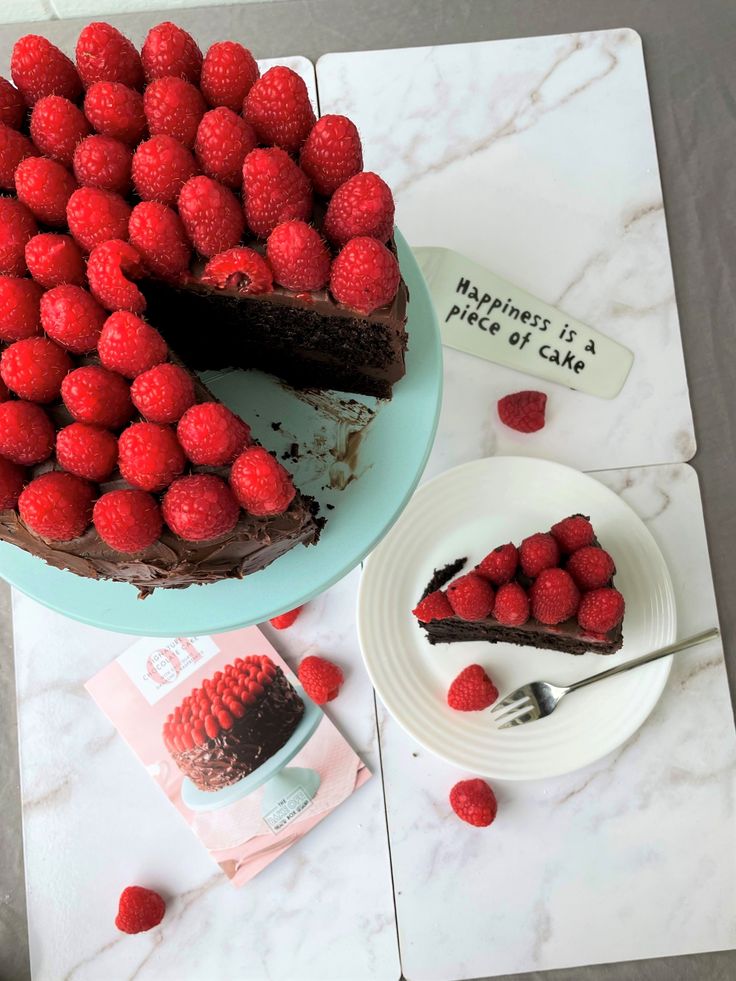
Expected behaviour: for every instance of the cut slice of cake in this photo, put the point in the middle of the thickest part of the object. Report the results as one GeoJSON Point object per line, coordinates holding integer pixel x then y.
{"type": "Point", "coordinates": [556, 591]}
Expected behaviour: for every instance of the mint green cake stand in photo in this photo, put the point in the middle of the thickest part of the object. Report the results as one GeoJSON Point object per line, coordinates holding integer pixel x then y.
{"type": "Point", "coordinates": [360, 458]}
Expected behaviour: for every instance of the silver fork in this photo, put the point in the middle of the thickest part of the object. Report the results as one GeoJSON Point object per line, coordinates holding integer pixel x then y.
{"type": "Point", "coordinates": [539, 699]}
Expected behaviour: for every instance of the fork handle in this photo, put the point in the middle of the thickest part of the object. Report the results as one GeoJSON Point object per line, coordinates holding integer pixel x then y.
{"type": "Point", "coordinates": [679, 645]}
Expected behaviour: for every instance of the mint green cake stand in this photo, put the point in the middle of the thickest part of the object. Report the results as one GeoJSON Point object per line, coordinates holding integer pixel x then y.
{"type": "Point", "coordinates": [380, 467]}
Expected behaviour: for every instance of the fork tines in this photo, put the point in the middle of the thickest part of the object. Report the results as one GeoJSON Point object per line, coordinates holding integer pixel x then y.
{"type": "Point", "coordinates": [515, 710]}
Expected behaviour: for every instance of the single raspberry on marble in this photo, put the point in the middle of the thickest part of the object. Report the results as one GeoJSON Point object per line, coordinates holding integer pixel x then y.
{"type": "Point", "coordinates": [365, 275]}
{"type": "Point", "coordinates": [537, 552]}
{"type": "Point", "coordinates": [54, 259]}
{"type": "Point", "coordinates": [26, 433]}
{"type": "Point", "coordinates": [128, 520]}
{"type": "Point", "coordinates": [103, 54]}
{"type": "Point", "coordinates": [223, 141]}
{"type": "Point", "coordinates": [471, 596]}
{"type": "Point", "coordinates": [163, 393]}
{"type": "Point", "coordinates": [139, 910]}
{"type": "Point", "coordinates": [262, 486]}
{"type": "Point", "coordinates": [241, 269]}
{"type": "Point", "coordinates": [472, 690]}
{"type": "Point", "coordinates": [45, 186]}
{"type": "Point", "coordinates": [111, 267]}
{"type": "Point", "coordinates": [511, 606]}
{"type": "Point", "coordinates": [115, 110]}
{"type": "Point", "coordinates": [57, 126]}
{"type": "Point", "coordinates": [129, 345]}
{"type": "Point", "coordinates": [332, 154]}
{"type": "Point", "coordinates": [362, 206]}
{"type": "Point", "coordinates": [174, 108]}
{"type": "Point", "coordinates": [87, 451]}
{"type": "Point", "coordinates": [499, 565]}
{"type": "Point", "coordinates": [17, 227]}
{"type": "Point", "coordinates": [286, 620]}
{"type": "Point", "coordinates": [161, 167]}
{"type": "Point", "coordinates": [573, 533]}
{"type": "Point", "coordinates": [104, 162]}
{"type": "Point", "coordinates": [212, 435]}
{"type": "Point", "coordinates": [275, 189]}
{"type": "Point", "coordinates": [14, 147]}
{"type": "Point", "coordinates": [298, 256]}
{"type": "Point", "coordinates": [157, 232]}
{"type": "Point", "coordinates": [200, 508]}
{"type": "Point", "coordinates": [149, 456]}
{"type": "Point", "coordinates": [474, 802]}
{"type": "Point", "coordinates": [320, 678]}
{"type": "Point", "coordinates": [20, 301]}
{"type": "Point", "coordinates": [278, 108]}
{"type": "Point", "coordinates": [591, 567]}
{"type": "Point", "coordinates": [170, 50]}
{"type": "Point", "coordinates": [57, 506]}
{"type": "Point", "coordinates": [39, 68]}
{"type": "Point", "coordinates": [435, 606]}
{"type": "Point", "coordinates": [554, 596]}
{"type": "Point", "coordinates": [96, 216]}
{"type": "Point", "coordinates": [600, 610]}
{"type": "Point", "coordinates": [97, 396]}
{"type": "Point", "coordinates": [12, 479]}
{"type": "Point", "coordinates": [12, 105]}
{"type": "Point", "coordinates": [33, 368]}
{"type": "Point", "coordinates": [228, 73]}
{"type": "Point", "coordinates": [523, 411]}
{"type": "Point", "coordinates": [72, 317]}
{"type": "Point", "coordinates": [212, 215]}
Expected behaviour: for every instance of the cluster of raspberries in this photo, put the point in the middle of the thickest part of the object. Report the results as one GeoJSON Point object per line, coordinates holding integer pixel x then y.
{"type": "Point", "coordinates": [553, 576]}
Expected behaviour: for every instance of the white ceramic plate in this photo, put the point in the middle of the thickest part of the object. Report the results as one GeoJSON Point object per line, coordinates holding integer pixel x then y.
{"type": "Point", "coordinates": [466, 512]}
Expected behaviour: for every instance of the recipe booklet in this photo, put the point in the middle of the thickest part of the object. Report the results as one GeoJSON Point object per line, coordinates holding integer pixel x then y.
{"type": "Point", "coordinates": [225, 729]}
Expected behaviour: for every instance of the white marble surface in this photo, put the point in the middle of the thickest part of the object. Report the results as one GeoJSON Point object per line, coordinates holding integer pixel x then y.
{"type": "Point", "coordinates": [536, 158]}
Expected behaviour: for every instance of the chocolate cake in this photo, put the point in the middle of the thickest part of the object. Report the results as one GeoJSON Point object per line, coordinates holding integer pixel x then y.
{"type": "Point", "coordinates": [250, 712]}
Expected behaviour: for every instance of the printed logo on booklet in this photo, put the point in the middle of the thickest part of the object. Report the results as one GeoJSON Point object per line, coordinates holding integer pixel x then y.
{"type": "Point", "coordinates": [155, 666]}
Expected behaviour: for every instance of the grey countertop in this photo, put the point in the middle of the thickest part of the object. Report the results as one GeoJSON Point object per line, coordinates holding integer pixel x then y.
{"type": "Point", "coordinates": [690, 51]}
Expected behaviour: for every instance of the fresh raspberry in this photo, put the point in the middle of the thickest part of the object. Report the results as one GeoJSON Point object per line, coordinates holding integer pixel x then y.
{"type": "Point", "coordinates": [110, 268]}
{"type": "Point", "coordinates": [554, 596]}
{"type": "Point", "coordinates": [12, 105]}
{"type": "Point", "coordinates": [17, 227]}
{"type": "Point", "coordinates": [26, 433]}
{"type": "Point", "coordinates": [139, 910]}
{"type": "Point", "coordinates": [285, 620]}
{"type": "Point", "coordinates": [54, 259]}
{"type": "Point", "coordinates": [242, 269]}
{"type": "Point", "coordinates": [591, 567]}
{"type": "Point", "coordinates": [20, 301]}
{"type": "Point", "coordinates": [72, 317]}
{"type": "Point", "coordinates": [223, 141]}
{"type": "Point", "coordinates": [472, 690]}
{"type": "Point", "coordinates": [57, 125]}
{"type": "Point", "coordinates": [115, 110]}
{"type": "Point", "coordinates": [157, 232]}
{"type": "Point", "coordinates": [103, 54]}
{"type": "Point", "coordinates": [45, 187]}
{"type": "Point", "coordinates": [128, 520]}
{"type": "Point", "coordinates": [474, 802]}
{"type": "Point", "coordinates": [174, 108]}
{"type": "Point", "coordinates": [87, 451]}
{"type": "Point", "coordinates": [262, 486]}
{"type": "Point", "coordinates": [212, 435]}
{"type": "Point", "coordinates": [169, 50]}
{"type": "Point", "coordinates": [14, 147]}
{"type": "Point", "coordinates": [436, 606]}
{"type": "Point", "coordinates": [278, 108]}
{"type": "Point", "coordinates": [211, 214]}
{"type": "Point", "coordinates": [600, 610]}
{"type": "Point", "coordinates": [499, 565]}
{"type": "Point", "coordinates": [538, 552]}
{"type": "Point", "coordinates": [39, 68]}
{"type": "Point", "coordinates": [320, 678]}
{"type": "Point", "coordinates": [573, 533]}
{"type": "Point", "coordinates": [365, 275]}
{"type": "Point", "coordinates": [511, 607]}
{"type": "Point", "coordinates": [332, 154]}
{"type": "Point", "coordinates": [471, 597]}
{"type": "Point", "coordinates": [57, 506]}
{"type": "Point", "coordinates": [34, 368]}
{"type": "Point", "coordinates": [96, 216]}
{"type": "Point", "coordinates": [299, 256]}
{"type": "Point", "coordinates": [228, 73]}
{"type": "Point", "coordinates": [97, 396]}
{"type": "Point", "coordinates": [129, 345]}
{"type": "Point", "coordinates": [163, 393]}
{"type": "Point", "coordinates": [274, 190]}
{"type": "Point", "coordinates": [362, 206]}
{"type": "Point", "coordinates": [12, 479]}
{"type": "Point", "coordinates": [161, 167]}
{"type": "Point", "coordinates": [200, 508]}
{"type": "Point", "coordinates": [149, 456]}
{"type": "Point", "coordinates": [523, 411]}
{"type": "Point", "coordinates": [104, 162]}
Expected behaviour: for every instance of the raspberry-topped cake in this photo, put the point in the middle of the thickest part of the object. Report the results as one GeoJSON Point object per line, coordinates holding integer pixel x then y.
{"type": "Point", "coordinates": [554, 591]}
{"type": "Point", "coordinates": [165, 212]}
{"type": "Point", "coordinates": [233, 723]}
